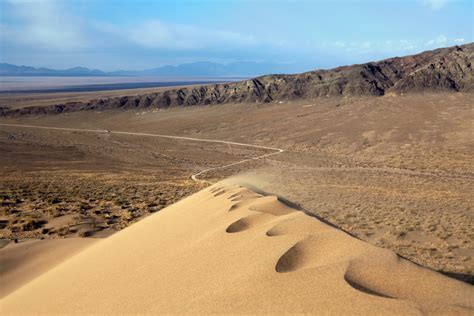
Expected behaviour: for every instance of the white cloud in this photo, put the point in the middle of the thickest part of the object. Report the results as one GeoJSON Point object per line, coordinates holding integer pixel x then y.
{"type": "Point", "coordinates": [51, 24]}
{"type": "Point", "coordinates": [157, 34]}
{"type": "Point", "coordinates": [435, 4]}
{"type": "Point", "coordinates": [369, 47]}
{"type": "Point", "coordinates": [441, 40]}
{"type": "Point", "coordinates": [42, 23]}
{"type": "Point", "coordinates": [390, 46]}
{"type": "Point", "coordinates": [405, 45]}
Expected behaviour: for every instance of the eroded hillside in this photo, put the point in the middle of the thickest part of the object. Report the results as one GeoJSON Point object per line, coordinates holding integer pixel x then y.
{"type": "Point", "coordinates": [445, 69]}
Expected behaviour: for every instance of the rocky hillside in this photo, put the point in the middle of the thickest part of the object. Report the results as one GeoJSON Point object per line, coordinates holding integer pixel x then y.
{"type": "Point", "coordinates": [445, 69]}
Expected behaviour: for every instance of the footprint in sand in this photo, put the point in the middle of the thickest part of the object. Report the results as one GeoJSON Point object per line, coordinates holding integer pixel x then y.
{"type": "Point", "coordinates": [249, 222]}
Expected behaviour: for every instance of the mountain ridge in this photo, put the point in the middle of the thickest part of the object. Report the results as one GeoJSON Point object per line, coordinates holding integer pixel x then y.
{"type": "Point", "coordinates": [196, 69]}
{"type": "Point", "coordinates": [444, 69]}
{"type": "Point", "coordinates": [7, 69]}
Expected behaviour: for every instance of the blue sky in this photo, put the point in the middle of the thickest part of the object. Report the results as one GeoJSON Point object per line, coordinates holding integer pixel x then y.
{"type": "Point", "coordinates": [140, 34]}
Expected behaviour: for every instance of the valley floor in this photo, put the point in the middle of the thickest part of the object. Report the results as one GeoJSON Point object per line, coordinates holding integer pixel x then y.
{"type": "Point", "coordinates": [393, 171]}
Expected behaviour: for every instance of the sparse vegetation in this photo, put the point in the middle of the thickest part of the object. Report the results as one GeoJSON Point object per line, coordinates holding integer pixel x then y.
{"type": "Point", "coordinates": [409, 188]}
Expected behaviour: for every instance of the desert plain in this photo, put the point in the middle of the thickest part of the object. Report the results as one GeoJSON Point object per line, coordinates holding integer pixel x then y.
{"type": "Point", "coordinates": [393, 171]}
{"type": "Point", "coordinates": [350, 185]}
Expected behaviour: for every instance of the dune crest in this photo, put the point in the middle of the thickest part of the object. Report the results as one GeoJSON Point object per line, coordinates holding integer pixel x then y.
{"type": "Point", "coordinates": [229, 249]}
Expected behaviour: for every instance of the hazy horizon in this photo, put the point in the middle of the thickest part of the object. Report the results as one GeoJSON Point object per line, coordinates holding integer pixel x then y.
{"type": "Point", "coordinates": [227, 63]}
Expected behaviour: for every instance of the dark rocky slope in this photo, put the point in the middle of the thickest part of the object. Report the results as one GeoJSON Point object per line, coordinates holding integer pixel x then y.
{"type": "Point", "coordinates": [444, 69]}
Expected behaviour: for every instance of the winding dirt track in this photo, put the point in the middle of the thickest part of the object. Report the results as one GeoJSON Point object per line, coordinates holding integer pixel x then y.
{"type": "Point", "coordinates": [193, 176]}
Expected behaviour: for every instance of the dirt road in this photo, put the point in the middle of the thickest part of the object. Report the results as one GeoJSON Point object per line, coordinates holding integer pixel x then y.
{"type": "Point", "coordinates": [193, 176]}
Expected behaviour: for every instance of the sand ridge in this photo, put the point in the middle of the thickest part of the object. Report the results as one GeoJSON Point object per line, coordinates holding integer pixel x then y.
{"type": "Point", "coordinates": [20, 263]}
{"type": "Point", "coordinates": [231, 249]}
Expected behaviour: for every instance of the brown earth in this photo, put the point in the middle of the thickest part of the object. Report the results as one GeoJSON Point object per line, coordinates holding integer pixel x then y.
{"type": "Point", "coordinates": [58, 184]}
{"type": "Point", "coordinates": [394, 171]}
{"type": "Point", "coordinates": [19, 99]}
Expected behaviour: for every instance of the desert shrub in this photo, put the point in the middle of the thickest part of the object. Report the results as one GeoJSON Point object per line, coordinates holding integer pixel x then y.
{"type": "Point", "coordinates": [32, 224]}
{"type": "Point", "coordinates": [55, 200]}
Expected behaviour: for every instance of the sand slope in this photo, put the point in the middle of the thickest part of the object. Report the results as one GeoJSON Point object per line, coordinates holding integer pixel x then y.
{"type": "Point", "coordinates": [233, 250]}
{"type": "Point", "coordinates": [20, 263]}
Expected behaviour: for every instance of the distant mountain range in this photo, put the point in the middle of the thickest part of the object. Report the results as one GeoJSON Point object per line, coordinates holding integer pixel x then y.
{"type": "Point", "coordinates": [197, 69]}
{"type": "Point", "coordinates": [440, 70]}
{"type": "Point", "coordinates": [13, 70]}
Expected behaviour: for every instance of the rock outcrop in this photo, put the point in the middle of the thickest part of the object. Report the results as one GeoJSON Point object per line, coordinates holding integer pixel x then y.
{"type": "Point", "coordinates": [444, 69]}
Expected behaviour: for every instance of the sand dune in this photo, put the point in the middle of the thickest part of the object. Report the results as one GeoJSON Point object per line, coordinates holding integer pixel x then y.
{"type": "Point", "coordinates": [21, 263]}
{"type": "Point", "coordinates": [230, 249]}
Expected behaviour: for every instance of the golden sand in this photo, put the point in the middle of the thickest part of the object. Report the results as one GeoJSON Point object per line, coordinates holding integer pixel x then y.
{"type": "Point", "coordinates": [233, 250]}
